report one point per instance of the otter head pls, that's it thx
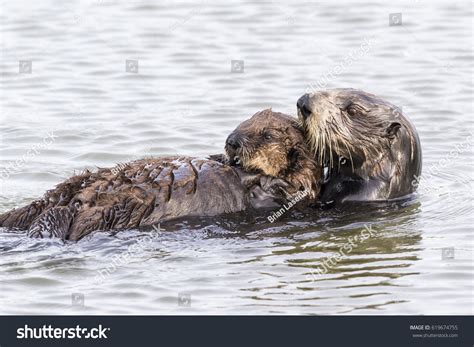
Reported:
(273, 144)
(361, 135)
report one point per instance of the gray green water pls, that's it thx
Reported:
(185, 100)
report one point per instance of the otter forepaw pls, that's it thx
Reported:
(221, 158)
(273, 185)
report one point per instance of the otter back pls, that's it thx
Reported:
(137, 194)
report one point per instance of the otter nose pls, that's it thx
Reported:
(232, 141)
(303, 105)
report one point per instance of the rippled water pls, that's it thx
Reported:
(79, 108)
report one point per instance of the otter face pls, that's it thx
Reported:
(273, 144)
(265, 143)
(348, 125)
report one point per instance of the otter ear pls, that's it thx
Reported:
(392, 130)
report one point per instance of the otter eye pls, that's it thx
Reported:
(355, 109)
(342, 161)
(267, 136)
(352, 110)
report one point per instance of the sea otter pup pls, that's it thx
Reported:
(370, 150)
(273, 143)
(148, 191)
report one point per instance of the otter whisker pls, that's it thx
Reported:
(329, 141)
(350, 156)
(321, 147)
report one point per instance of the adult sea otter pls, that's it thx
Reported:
(370, 150)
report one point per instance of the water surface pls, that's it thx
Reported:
(76, 106)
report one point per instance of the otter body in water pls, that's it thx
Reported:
(370, 149)
(141, 193)
(148, 191)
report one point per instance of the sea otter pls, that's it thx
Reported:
(370, 150)
(273, 144)
(149, 191)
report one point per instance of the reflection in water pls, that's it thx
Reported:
(340, 253)
(284, 257)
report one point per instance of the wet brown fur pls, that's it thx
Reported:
(149, 191)
(378, 144)
(273, 144)
(141, 193)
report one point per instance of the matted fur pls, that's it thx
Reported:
(273, 144)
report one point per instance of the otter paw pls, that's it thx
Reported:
(274, 185)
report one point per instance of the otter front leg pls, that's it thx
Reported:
(277, 186)
(260, 198)
(249, 179)
(269, 192)
(221, 158)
